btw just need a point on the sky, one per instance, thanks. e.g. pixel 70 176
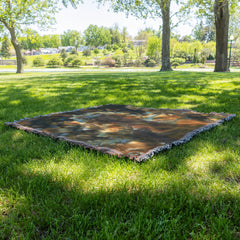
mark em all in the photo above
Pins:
pixel 88 13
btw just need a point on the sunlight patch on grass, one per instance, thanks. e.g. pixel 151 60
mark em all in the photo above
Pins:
pixel 193 98
pixel 110 98
pixel 15 102
pixel 86 178
pixel 5 207
pixel 67 173
pixel 17 136
pixel 51 189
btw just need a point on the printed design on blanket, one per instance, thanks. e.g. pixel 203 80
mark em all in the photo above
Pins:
pixel 123 130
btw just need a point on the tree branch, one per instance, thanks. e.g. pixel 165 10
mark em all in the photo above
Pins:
pixel 5 23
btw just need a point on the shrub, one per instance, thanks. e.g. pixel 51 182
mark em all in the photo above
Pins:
pixel 125 50
pixel 97 62
pixel 175 64
pixel 180 54
pixel 195 59
pixel 203 59
pixel 236 54
pixel 54 62
pixel 74 51
pixel 130 63
pixel 126 59
pixel 195 56
pixel 73 61
pixel 150 62
pixel 118 52
pixel 109 48
pixel 115 46
pixel 96 50
pixel 76 62
pixel 211 57
pixel 68 60
pixel 109 61
pixel 178 60
pixel 63 54
pixel 119 60
pixel 86 52
pixel 154 48
pixel 131 46
pixel 138 62
pixel 122 45
pixel 105 52
pixel 24 60
pixel 38 62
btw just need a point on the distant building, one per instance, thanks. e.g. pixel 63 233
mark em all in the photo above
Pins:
pixel 33 52
pixel 48 50
pixel 67 48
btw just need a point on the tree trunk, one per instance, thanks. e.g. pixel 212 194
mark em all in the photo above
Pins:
pixel 17 48
pixel 165 8
pixel 221 12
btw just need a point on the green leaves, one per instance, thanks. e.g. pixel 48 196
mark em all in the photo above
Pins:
pixel 5 49
pixel 74 3
pixel 71 38
pixel 97 36
pixel 16 15
pixel 21 13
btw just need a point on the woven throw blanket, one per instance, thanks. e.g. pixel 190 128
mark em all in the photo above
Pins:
pixel 123 130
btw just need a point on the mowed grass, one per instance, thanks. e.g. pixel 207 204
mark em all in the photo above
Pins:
pixel 52 190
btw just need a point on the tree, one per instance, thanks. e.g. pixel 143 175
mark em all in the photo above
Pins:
pixel 51 41
pixel 15 15
pixel 124 35
pixel 221 10
pixel 186 38
pixel 31 41
pixel 72 38
pixel 97 36
pixel 144 9
pixel 63 54
pixel 165 9
pixel 115 35
pixel 5 49
pixel 154 48
pixel 205 32
pixel 144 35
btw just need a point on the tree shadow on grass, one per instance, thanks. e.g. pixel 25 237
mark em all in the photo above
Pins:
pixel 61 93
pixel 109 198
pixel 43 205
pixel 39 95
pixel 69 91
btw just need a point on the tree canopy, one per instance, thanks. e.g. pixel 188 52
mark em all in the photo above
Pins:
pixel 97 36
pixel 71 38
pixel 5 49
pixel 22 13
pixel 17 15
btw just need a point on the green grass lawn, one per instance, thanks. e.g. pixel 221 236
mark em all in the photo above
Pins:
pixel 52 190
